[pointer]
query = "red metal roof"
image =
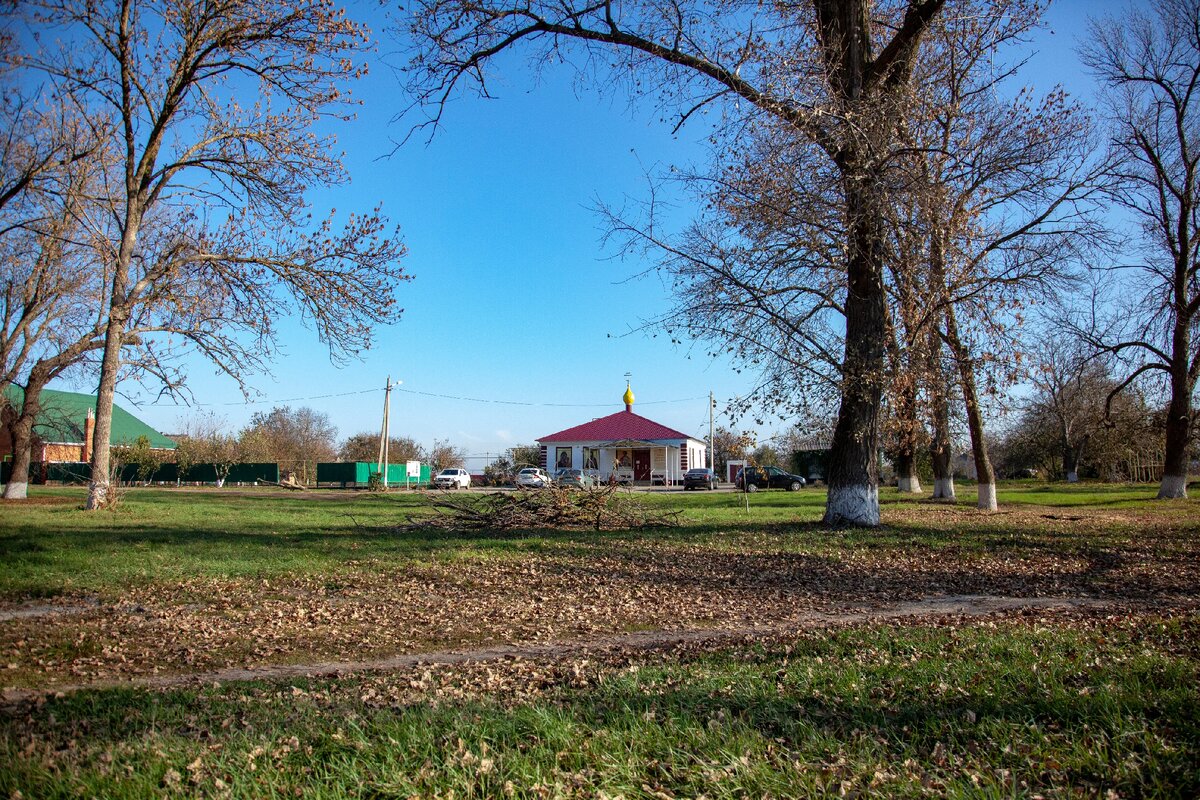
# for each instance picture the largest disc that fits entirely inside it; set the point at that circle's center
(621, 425)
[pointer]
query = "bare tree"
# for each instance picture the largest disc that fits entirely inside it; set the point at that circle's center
(213, 104)
(444, 455)
(1007, 190)
(297, 439)
(1072, 390)
(524, 455)
(1149, 63)
(205, 438)
(365, 447)
(834, 72)
(50, 162)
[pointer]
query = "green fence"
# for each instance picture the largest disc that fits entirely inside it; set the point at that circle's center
(345, 474)
(348, 474)
(80, 472)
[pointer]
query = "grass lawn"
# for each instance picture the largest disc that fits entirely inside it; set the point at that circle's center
(112, 626)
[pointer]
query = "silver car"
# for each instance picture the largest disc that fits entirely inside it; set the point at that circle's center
(575, 478)
(532, 478)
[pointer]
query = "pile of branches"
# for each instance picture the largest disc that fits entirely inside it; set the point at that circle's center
(605, 507)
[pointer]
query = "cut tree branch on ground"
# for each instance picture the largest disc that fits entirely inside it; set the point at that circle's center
(603, 508)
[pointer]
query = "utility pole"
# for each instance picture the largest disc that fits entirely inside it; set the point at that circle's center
(712, 439)
(385, 433)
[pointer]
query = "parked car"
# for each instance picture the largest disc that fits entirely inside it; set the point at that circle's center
(574, 478)
(453, 478)
(754, 478)
(532, 478)
(699, 478)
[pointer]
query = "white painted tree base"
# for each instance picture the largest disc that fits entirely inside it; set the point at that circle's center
(97, 496)
(911, 485)
(943, 489)
(1172, 487)
(853, 505)
(1072, 477)
(16, 491)
(987, 497)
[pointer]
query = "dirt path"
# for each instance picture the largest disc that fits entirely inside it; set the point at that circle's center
(640, 641)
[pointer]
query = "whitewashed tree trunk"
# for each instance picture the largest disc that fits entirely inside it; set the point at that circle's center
(987, 497)
(910, 484)
(1172, 487)
(943, 489)
(858, 505)
(16, 490)
(1072, 477)
(985, 475)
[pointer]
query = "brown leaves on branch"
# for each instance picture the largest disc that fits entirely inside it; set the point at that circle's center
(604, 507)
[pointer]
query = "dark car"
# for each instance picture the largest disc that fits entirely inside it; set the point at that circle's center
(755, 478)
(699, 478)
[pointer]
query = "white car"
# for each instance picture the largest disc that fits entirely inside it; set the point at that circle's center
(453, 478)
(533, 478)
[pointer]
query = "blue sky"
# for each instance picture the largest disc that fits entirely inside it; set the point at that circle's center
(515, 303)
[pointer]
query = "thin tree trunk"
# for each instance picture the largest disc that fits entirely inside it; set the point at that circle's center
(907, 479)
(940, 453)
(985, 476)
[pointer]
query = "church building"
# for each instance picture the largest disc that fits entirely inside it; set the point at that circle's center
(624, 446)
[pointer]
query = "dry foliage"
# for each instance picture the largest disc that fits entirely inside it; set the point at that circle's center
(605, 507)
(579, 589)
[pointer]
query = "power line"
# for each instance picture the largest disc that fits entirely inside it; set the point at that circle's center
(263, 402)
(437, 395)
(544, 405)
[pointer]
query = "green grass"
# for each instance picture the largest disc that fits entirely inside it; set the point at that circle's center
(1059, 706)
(53, 547)
(1096, 709)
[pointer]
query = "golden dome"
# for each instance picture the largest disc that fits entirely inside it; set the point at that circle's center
(628, 396)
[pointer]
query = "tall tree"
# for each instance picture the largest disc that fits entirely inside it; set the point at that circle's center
(1006, 187)
(297, 439)
(51, 163)
(1148, 62)
(214, 105)
(835, 72)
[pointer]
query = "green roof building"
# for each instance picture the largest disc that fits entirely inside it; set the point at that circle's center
(63, 431)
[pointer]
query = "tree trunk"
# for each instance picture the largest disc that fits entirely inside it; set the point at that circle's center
(114, 337)
(853, 473)
(99, 485)
(1070, 457)
(17, 487)
(1179, 410)
(1178, 424)
(940, 453)
(907, 479)
(908, 428)
(939, 448)
(985, 476)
